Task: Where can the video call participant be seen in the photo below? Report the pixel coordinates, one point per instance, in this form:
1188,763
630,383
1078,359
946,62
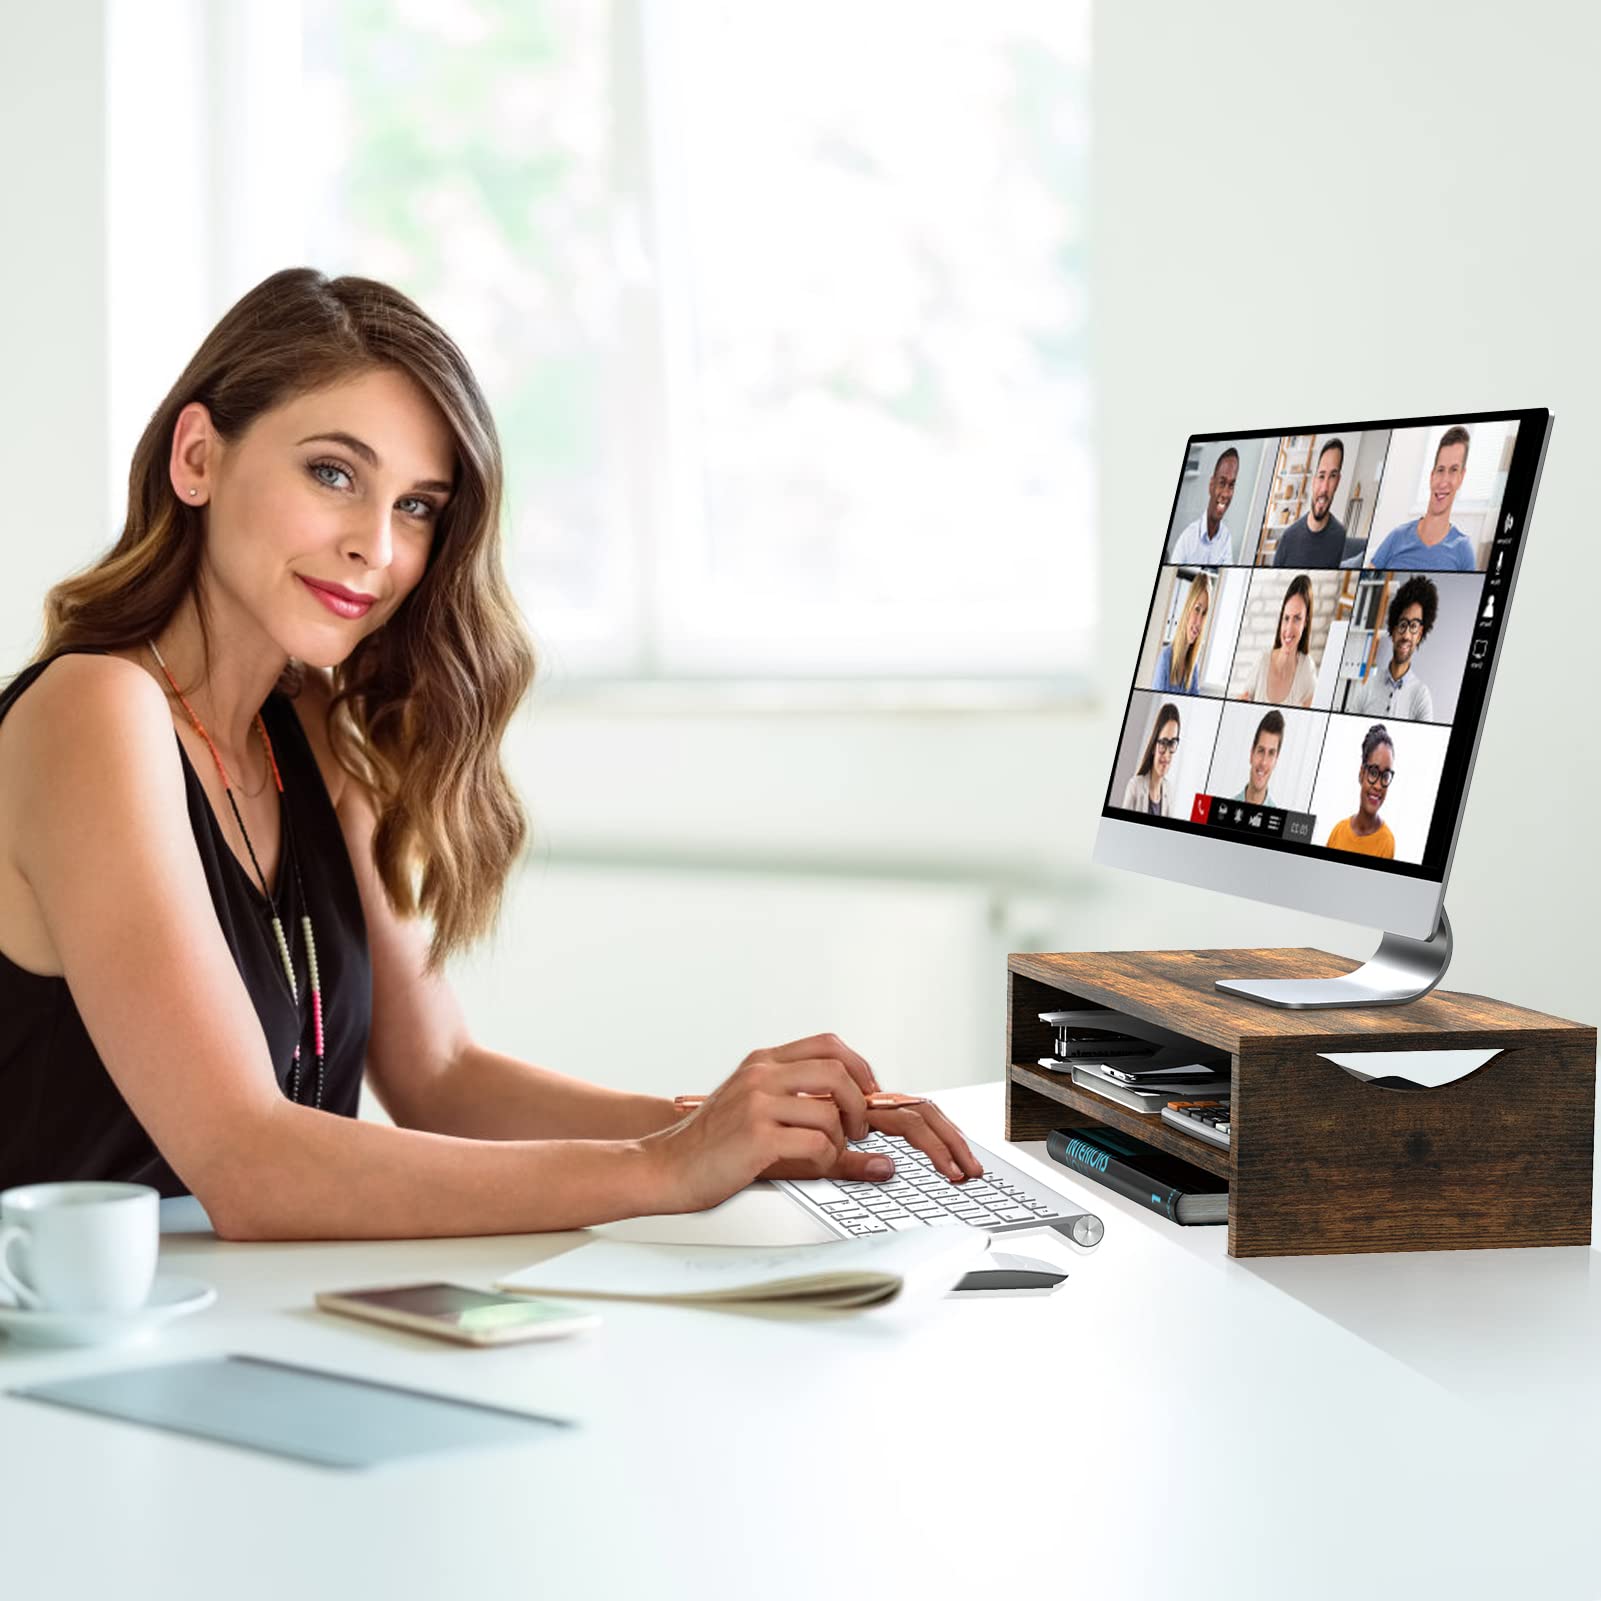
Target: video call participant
1286,674
1178,668
1207,541
1366,833
1148,790
1264,758
1317,539
1397,691
1432,542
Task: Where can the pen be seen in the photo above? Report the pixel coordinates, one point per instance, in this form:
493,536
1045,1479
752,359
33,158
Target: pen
878,1101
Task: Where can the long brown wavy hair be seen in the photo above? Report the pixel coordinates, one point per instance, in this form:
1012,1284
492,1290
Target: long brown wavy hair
420,706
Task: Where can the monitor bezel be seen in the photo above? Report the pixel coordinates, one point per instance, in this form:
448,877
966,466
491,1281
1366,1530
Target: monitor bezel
1401,896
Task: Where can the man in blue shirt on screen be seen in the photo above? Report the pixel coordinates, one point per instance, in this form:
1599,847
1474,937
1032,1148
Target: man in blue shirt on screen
1432,543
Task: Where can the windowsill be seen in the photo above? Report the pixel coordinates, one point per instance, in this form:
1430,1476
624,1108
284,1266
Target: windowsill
996,875
648,697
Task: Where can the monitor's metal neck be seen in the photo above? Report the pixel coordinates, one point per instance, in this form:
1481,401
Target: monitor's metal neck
1400,970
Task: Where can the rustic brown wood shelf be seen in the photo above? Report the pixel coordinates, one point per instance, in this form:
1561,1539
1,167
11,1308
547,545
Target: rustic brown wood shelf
1322,1162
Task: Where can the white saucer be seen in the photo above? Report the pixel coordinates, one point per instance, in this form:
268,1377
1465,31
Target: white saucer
169,1298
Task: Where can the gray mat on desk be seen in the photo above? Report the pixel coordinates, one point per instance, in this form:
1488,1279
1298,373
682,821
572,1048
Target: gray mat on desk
327,1418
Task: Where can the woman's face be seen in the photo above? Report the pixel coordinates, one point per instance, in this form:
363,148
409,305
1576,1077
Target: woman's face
1374,777
291,510
1196,620
1163,758
1292,624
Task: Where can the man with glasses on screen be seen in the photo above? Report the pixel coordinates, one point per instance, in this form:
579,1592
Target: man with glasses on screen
1397,691
1207,541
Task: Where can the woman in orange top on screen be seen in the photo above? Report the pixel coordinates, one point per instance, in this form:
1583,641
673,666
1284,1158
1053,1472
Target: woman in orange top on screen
1366,832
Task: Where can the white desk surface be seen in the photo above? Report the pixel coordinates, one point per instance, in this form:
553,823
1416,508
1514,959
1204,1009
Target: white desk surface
1169,1424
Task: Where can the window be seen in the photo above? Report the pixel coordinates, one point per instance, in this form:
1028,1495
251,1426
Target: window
780,309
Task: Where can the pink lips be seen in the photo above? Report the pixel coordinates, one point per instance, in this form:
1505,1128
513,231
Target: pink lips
341,602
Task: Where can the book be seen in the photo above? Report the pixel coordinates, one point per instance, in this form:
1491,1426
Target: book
1139,1172
1091,1076
907,1266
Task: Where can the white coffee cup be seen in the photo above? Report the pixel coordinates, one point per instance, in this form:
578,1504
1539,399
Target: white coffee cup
79,1247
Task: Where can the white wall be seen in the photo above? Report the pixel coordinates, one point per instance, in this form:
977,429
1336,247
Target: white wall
53,400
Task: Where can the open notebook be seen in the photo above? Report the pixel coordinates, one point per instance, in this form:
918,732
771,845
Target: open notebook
873,1271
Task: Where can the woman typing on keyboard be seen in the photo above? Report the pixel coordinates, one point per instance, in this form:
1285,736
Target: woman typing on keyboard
251,799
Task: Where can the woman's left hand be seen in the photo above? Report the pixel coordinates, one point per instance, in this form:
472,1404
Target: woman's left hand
924,1127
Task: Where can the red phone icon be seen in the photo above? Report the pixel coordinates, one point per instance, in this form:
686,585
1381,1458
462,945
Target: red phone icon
1202,810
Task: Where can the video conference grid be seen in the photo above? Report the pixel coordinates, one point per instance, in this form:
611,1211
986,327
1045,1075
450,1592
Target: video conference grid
1387,583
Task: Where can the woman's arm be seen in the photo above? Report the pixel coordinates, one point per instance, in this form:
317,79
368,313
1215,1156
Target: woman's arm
484,1095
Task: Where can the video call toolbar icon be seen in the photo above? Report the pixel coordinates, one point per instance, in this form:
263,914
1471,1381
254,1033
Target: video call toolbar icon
1222,813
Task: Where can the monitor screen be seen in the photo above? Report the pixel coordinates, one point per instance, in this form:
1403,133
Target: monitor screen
1316,658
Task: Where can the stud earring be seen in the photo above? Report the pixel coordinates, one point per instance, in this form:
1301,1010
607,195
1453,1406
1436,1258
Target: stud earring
194,491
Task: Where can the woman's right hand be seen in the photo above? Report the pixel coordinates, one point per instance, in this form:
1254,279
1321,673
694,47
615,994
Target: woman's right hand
757,1117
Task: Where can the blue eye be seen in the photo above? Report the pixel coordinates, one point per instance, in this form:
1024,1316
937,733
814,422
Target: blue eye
427,513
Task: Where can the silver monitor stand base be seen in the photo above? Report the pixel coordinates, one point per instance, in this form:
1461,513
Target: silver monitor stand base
1400,970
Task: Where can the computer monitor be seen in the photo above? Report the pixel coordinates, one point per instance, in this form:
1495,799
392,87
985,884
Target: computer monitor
1312,677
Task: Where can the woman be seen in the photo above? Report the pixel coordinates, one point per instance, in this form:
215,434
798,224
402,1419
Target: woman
1366,832
202,948
1178,668
1286,675
1148,790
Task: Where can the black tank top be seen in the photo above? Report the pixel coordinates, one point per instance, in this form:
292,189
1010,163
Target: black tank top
61,1116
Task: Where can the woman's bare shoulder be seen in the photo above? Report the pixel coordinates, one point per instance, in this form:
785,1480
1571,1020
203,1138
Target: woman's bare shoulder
88,757
87,693
96,672
87,715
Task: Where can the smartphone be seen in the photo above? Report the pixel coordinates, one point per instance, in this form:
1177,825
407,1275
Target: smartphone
454,1312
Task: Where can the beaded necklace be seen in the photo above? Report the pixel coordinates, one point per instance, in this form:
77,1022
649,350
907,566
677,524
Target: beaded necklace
277,925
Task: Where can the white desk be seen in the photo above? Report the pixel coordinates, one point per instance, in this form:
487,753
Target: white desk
1417,1425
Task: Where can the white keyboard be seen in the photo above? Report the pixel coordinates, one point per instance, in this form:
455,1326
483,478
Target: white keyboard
1003,1199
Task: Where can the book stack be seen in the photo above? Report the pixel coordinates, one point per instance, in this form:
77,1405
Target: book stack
1137,1064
